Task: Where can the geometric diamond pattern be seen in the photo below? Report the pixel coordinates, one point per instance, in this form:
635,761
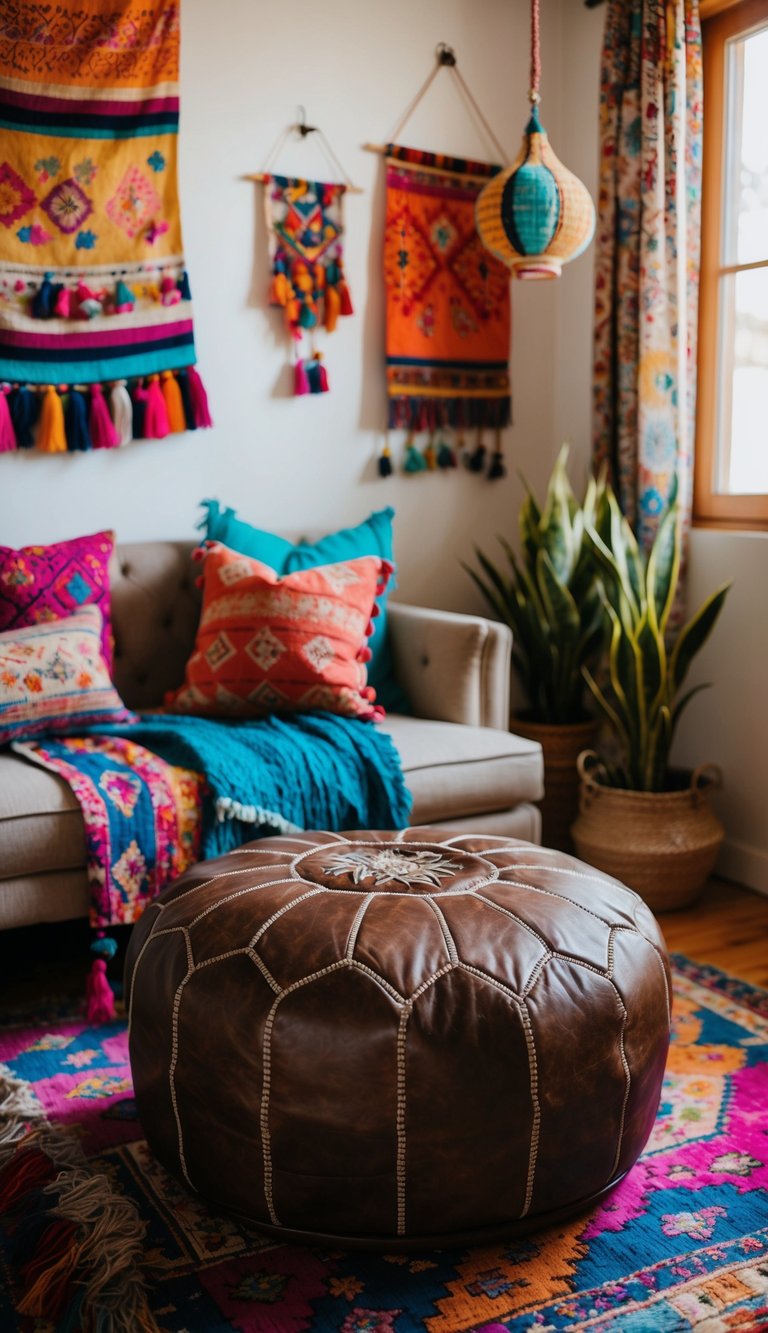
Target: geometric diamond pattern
318,652
265,648
220,651
67,206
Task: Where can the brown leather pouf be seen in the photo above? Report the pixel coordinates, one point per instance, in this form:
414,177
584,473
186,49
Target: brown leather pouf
410,1039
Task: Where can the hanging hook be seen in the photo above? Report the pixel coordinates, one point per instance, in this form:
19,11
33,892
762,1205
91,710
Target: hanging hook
302,127
444,54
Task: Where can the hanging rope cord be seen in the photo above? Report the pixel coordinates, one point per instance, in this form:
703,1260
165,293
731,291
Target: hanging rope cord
303,130
446,59
534,96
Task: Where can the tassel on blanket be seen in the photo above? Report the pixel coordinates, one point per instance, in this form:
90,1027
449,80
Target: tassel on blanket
100,1002
74,1243
182,379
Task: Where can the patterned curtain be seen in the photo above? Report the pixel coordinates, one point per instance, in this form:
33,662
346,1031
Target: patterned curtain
647,261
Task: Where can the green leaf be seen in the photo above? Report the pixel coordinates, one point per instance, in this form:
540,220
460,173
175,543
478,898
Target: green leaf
663,571
694,635
561,609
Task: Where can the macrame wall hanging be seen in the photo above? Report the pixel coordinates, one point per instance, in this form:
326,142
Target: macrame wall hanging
305,227
447,305
537,215
96,338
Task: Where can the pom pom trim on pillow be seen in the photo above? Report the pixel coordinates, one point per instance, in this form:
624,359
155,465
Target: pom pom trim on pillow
268,643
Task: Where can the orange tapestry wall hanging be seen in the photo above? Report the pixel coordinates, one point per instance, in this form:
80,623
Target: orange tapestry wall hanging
448,311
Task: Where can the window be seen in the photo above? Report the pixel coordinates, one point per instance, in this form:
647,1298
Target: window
731,482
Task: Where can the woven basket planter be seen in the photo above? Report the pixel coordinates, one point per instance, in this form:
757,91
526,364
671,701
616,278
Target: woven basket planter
662,844
561,745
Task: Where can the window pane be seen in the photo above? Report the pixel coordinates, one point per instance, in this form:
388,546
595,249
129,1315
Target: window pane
743,387
746,202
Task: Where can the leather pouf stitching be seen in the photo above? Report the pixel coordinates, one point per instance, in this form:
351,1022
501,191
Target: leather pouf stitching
397,1039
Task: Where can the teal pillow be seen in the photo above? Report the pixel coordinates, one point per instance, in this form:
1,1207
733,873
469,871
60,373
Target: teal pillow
372,537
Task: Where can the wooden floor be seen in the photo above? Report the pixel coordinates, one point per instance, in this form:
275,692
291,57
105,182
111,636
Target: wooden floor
727,927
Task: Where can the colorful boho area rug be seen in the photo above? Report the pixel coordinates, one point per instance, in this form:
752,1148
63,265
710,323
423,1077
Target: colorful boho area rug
448,303
682,1243
93,284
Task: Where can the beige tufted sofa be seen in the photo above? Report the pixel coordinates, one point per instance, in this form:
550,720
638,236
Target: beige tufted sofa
463,768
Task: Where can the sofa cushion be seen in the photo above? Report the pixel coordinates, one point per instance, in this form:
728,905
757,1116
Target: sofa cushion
453,770
371,537
54,680
281,643
42,583
41,827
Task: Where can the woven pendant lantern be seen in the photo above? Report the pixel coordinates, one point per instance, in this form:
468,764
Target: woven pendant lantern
536,215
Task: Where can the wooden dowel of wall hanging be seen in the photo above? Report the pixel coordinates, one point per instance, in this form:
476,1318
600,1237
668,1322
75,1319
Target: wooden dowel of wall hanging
381,148
261,176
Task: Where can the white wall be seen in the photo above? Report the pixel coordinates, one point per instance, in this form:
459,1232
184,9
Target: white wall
728,724
310,463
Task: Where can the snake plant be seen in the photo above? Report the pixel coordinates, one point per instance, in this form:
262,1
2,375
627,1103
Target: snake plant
549,596
647,665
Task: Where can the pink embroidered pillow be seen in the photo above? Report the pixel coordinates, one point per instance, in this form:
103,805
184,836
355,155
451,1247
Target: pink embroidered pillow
42,583
268,643
54,680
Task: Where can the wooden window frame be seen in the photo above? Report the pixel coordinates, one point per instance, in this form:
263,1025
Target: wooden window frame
721,19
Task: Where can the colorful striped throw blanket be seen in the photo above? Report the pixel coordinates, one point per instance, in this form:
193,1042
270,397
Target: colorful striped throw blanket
148,813
94,292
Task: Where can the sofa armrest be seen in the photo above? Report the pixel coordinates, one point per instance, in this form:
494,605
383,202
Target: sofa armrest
453,668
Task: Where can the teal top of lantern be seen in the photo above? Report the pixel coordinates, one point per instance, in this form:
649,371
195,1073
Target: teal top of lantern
530,202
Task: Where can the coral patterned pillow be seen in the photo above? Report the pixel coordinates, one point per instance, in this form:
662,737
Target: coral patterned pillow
41,583
269,644
54,680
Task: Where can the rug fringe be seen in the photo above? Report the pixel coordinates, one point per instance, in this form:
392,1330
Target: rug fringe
19,1108
76,1241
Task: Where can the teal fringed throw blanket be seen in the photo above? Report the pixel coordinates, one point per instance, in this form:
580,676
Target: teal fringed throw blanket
281,774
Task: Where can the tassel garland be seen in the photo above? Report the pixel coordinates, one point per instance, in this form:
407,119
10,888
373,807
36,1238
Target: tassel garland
78,436
199,398
174,405
77,418
122,412
414,460
51,435
156,424
25,409
7,433
104,434
385,462
441,455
